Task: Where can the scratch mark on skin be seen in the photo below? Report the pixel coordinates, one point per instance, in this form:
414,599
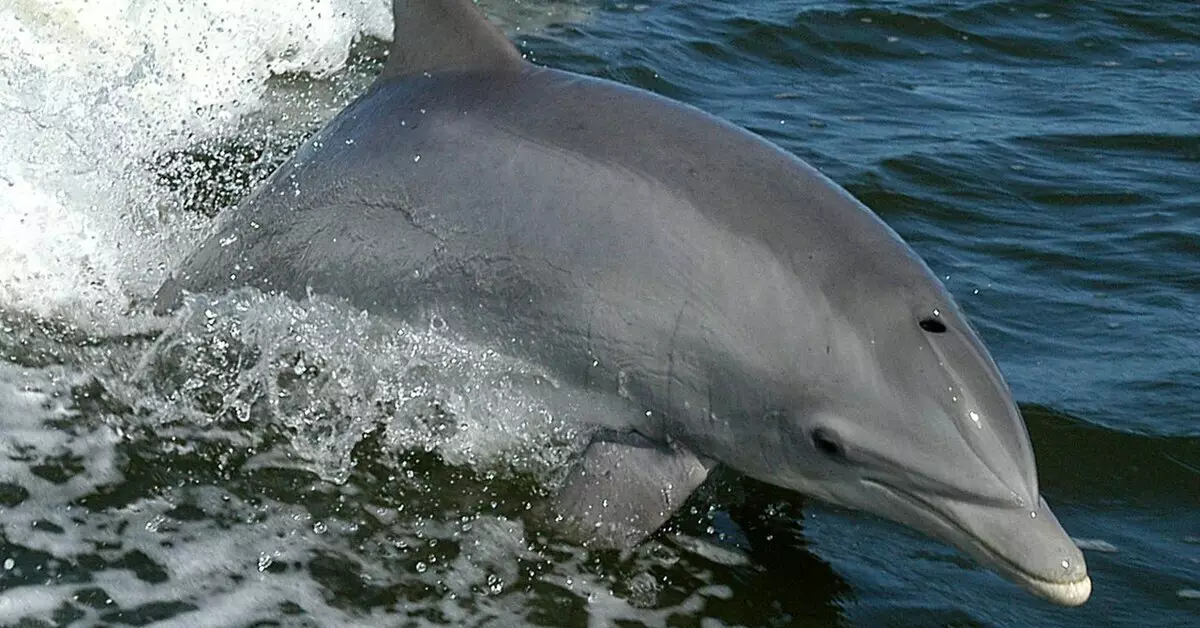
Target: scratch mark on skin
591,349
711,416
405,206
671,354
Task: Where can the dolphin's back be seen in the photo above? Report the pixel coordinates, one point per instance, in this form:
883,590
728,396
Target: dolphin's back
678,229
442,189
423,170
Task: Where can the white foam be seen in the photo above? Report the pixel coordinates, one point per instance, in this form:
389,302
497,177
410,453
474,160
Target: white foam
90,92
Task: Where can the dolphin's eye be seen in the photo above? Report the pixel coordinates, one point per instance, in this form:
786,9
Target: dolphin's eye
933,326
827,443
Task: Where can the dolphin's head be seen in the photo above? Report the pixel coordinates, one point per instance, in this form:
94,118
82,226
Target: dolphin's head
921,429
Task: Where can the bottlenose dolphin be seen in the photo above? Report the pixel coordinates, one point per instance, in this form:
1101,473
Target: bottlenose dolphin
726,302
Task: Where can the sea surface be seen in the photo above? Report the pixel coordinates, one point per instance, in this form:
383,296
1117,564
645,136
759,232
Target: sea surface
253,461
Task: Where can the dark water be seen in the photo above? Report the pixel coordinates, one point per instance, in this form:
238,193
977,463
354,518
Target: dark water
1044,158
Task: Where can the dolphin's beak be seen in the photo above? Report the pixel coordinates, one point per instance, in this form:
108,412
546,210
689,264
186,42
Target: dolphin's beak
1025,545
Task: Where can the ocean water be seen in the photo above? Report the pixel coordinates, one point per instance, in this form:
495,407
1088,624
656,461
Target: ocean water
253,461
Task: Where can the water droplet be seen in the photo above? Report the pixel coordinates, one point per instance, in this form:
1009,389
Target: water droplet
9,564
495,584
320,527
422,567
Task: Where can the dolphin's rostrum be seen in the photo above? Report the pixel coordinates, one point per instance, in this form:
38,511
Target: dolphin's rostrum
731,304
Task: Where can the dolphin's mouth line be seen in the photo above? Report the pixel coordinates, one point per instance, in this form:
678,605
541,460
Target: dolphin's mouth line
991,552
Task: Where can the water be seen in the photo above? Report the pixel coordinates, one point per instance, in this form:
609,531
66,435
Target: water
253,461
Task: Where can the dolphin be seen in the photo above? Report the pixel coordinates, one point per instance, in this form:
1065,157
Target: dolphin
722,301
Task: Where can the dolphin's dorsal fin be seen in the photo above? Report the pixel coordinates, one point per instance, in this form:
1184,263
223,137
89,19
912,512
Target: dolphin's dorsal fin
441,35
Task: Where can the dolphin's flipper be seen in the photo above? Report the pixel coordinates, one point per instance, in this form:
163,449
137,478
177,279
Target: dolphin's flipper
624,488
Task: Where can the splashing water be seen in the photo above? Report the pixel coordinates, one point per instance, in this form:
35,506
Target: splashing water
251,458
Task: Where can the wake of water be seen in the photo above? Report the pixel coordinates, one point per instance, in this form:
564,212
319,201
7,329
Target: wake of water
243,457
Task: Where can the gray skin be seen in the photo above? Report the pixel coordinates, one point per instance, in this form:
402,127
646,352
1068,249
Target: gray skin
723,301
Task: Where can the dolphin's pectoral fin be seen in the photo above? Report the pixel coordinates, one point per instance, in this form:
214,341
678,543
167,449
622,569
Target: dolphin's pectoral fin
624,488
